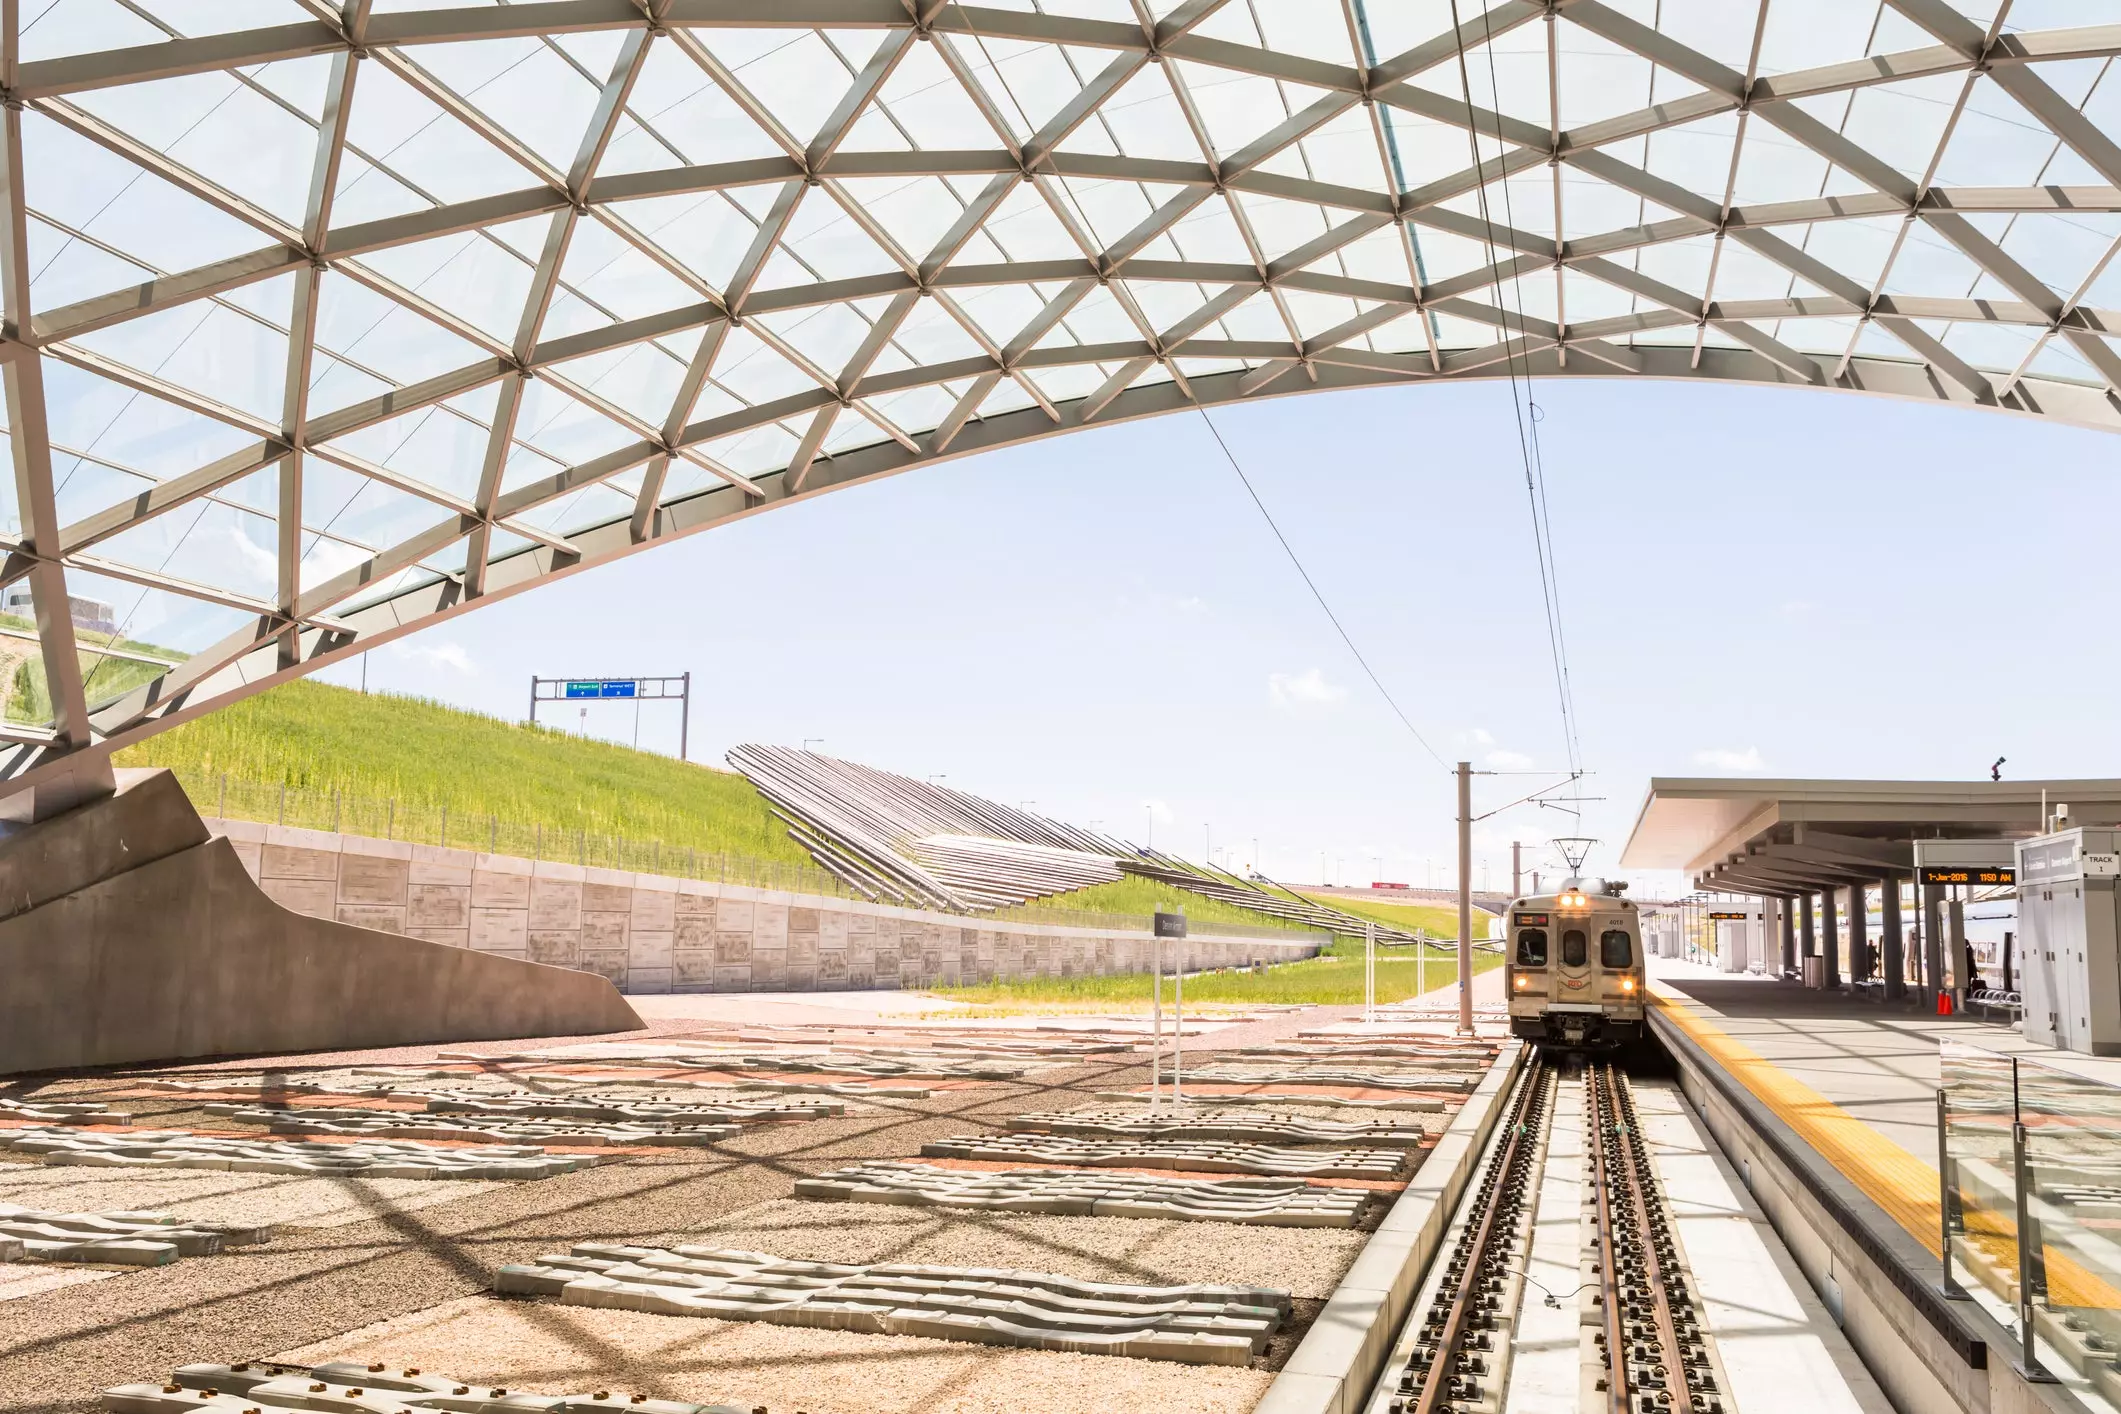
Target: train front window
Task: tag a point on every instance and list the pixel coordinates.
(1575, 948)
(1531, 947)
(1616, 948)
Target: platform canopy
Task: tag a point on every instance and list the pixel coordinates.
(325, 319)
(1785, 838)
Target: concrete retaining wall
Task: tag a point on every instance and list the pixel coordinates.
(651, 933)
(127, 935)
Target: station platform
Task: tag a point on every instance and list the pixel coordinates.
(1855, 1080)
(1827, 1103)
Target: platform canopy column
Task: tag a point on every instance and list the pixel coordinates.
(1894, 944)
(1859, 926)
(1789, 935)
(1932, 942)
(1830, 937)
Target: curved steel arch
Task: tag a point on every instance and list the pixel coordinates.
(1155, 281)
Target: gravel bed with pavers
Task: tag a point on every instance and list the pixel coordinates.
(412, 1278)
(1266, 1202)
(402, 1124)
(372, 1388)
(1192, 1324)
(543, 1346)
(238, 1199)
(1396, 1079)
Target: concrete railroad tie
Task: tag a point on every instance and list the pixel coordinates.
(1202, 1325)
(151, 1148)
(1199, 1156)
(1414, 1104)
(578, 1104)
(63, 1112)
(1263, 1202)
(1327, 1075)
(398, 1124)
(119, 1239)
(368, 1389)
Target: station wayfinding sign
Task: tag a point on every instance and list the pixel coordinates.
(1729, 917)
(604, 687)
(1170, 925)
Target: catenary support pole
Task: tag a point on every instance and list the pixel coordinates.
(1369, 972)
(1465, 898)
(1516, 868)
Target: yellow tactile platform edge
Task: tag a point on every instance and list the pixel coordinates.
(1897, 1181)
(1891, 1177)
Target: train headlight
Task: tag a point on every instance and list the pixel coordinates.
(1627, 984)
(1520, 981)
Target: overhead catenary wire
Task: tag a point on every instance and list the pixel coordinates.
(1312, 585)
(1522, 410)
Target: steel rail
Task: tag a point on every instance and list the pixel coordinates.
(1452, 1351)
(1654, 1350)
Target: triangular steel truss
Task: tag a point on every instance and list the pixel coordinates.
(319, 330)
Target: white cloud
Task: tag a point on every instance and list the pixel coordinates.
(437, 655)
(1158, 811)
(1723, 758)
(1192, 604)
(1481, 736)
(1509, 761)
(1294, 691)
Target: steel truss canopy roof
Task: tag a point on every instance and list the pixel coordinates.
(324, 321)
(1784, 838)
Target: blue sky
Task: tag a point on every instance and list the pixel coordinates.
(1752, 582)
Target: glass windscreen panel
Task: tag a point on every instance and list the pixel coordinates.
(1575, 948)
(1531, 947)
(1616, 948)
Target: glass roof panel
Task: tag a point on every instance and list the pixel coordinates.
(773, 200)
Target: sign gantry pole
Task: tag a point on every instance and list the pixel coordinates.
(1173, 926)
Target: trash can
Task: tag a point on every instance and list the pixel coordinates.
(1815, 972)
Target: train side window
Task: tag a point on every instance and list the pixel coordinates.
(1531, 947)
(1575, 948)
(1615, 948)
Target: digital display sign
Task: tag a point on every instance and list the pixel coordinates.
(1978, 878)
(1731, 917)
(1531, 920)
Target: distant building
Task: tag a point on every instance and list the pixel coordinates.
(91, 614)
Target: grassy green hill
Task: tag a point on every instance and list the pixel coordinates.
(315, 738)
(1138, 897)
(1440, 922)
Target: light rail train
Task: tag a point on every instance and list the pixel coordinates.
(1574, 974)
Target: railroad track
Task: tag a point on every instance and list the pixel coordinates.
(1644, 1351)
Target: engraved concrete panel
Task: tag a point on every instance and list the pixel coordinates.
(288, 862)
(492, 889)
(438, 905)
(603, 931)
(802, 949)
(500, 929)
(644, 981)
(833, 928)
(769, 924)
(447, 937)
(654, 910)
(367, 878)
(730, 949)
(695, 930)
(440, 866)
(316, 897)
(693, 904)
(611, 965)
(735, 915)
(645, 949)
(606, 897)
(691, 967)
(557, 947)
(555, 904)
(372, 915)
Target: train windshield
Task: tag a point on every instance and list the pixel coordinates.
(1531, 947)
(1616, 948)
(1575, 948)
